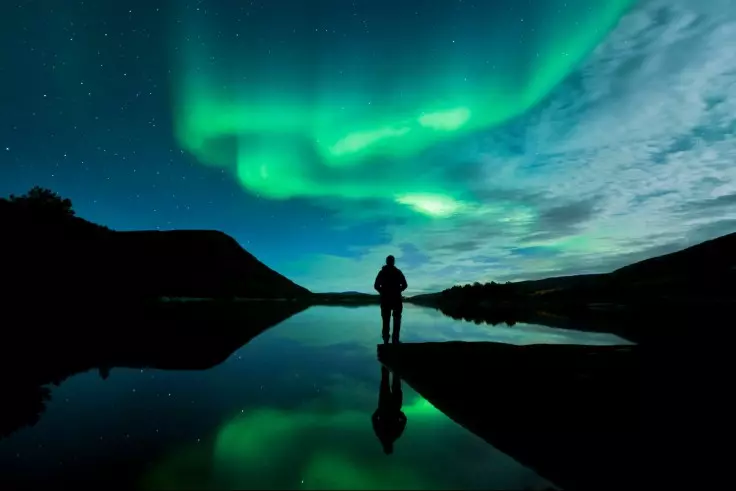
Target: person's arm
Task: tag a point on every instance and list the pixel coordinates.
(377, 284)
(404, 285)
(401, 424)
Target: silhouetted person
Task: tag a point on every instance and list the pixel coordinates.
(389, 420)
(390, 283)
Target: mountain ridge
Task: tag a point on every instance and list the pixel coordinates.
(702, 272)
(52, 253)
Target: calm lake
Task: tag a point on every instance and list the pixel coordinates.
(291, 409)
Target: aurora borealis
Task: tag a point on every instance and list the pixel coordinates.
(474, 140)
(340, 124)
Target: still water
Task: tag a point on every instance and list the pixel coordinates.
(291, 409)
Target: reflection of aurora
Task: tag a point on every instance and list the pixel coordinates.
(305, 449)
(312, 117)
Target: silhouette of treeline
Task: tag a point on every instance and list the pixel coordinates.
(490, 303)
(166, 336)
(47, 251)
(478, 293)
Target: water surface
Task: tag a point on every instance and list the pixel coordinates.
(291, 409)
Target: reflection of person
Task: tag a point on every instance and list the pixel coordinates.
(389, 420)
(390, 283)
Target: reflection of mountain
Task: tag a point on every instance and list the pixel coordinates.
(640, 325)
(345, 299)
(181, 336)
(569, 412)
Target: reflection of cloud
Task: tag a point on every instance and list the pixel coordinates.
(325, 327)
(523, 334)
(632, 155)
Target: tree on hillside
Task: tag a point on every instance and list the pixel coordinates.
(44, 202)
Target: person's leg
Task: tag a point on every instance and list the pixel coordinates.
(397, 311)
(384, 391)
(396, 393)
(386, 318)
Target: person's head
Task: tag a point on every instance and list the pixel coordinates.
(390, 260)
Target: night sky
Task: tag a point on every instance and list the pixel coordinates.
(475, 140)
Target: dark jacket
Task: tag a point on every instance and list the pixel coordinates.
(390, 282)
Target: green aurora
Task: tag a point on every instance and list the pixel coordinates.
(330, 116)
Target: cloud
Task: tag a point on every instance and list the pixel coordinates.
(567, 216)
(712, 229)
(634, 155)
(412, 257)
(709, 207)
(534, 251)
(562, 221)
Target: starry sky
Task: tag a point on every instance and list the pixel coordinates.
(475, 140)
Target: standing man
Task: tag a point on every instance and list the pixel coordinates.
(390, 283)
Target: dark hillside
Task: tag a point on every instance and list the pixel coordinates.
(49, 252)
